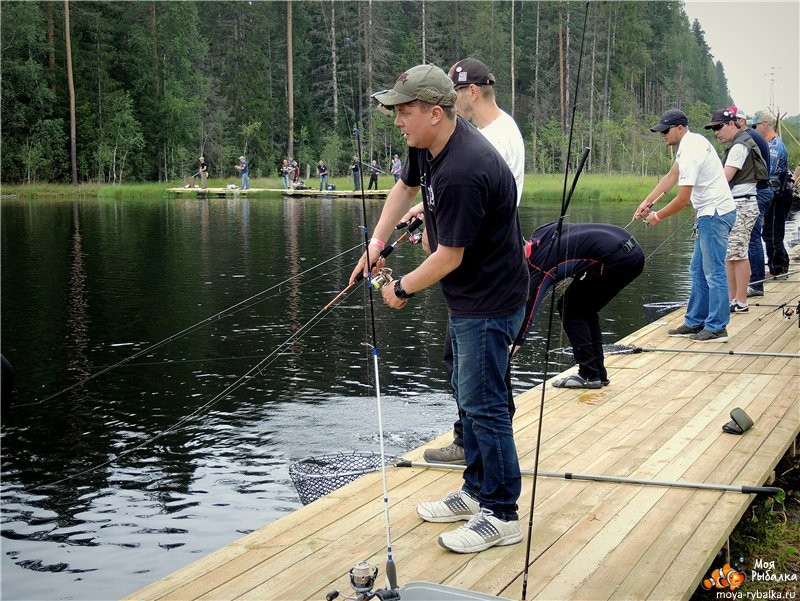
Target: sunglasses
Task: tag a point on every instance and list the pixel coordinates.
(718, 126)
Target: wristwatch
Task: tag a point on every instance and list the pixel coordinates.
(399, 292)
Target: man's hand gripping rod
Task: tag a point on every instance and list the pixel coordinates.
(409, 226)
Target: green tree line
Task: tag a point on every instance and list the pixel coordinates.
(156, 84)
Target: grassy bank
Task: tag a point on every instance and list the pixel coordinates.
(594, 187)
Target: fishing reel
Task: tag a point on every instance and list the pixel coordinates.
(383, 277)
(362, 579)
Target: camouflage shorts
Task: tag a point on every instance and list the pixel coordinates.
(739, 239)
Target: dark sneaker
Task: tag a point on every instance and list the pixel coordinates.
(455, 507)
(576, 381)
(708, 336)
(685, 330)
(737, 307)
(452, 453)
(482, 531)
(751, 292)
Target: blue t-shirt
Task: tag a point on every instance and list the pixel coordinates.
(243, 166)
(470, 201)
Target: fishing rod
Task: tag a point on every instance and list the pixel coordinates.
(391, 572)
(409, 233)
(565, 200)
(232, 310)
(615, 349)
(776, 278)
(649, 205)
(744, 489)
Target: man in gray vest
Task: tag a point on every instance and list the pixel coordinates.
(744, 167)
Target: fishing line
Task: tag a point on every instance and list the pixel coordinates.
(253, 372)
(565, 200)
(232, 310)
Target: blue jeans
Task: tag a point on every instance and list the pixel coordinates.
(709, 305)
(356, 180)
(480, 351)
(755, 252)
(245, 181)
(285, 177)
(323, 182)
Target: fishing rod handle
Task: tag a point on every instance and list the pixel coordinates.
(409, 225)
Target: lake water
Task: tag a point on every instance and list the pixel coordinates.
(123, 479)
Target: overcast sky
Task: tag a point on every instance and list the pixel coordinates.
(758, 43)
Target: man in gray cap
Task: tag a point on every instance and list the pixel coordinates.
(701, 180)
(476, 254)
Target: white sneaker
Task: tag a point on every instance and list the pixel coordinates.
(482, 531)
(455, 507)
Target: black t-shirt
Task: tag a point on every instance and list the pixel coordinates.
(470, 201)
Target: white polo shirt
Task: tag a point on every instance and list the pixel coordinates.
(700, 167)
(505, 136)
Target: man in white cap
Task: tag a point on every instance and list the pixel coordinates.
(476, 254)
(701, 181)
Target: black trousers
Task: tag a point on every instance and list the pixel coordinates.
(774, 231)
(580, 305)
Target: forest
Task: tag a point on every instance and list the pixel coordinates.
(136, 91)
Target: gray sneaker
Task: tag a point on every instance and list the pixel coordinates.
(685, 330)
(751, 292)
(455, 507)
(708, 336)
(452, 453)
(482, 531)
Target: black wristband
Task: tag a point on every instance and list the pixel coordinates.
(399, 292)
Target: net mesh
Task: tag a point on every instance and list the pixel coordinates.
(654, 311)
(315, 477)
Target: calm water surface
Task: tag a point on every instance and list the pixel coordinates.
(118, 482)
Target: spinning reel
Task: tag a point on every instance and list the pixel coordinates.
(383, 277)
(362, 579)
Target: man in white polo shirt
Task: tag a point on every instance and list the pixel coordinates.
(701, 180)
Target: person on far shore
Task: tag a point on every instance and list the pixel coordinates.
(396, 167)
(244, 171)
(701, 180)
(356, 167)
(285, 173)
(203, 170)
(322, 171)
(374, 170)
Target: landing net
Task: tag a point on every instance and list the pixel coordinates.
(314, 477)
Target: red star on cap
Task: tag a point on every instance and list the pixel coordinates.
(403, 78)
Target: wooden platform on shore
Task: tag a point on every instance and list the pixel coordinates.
(216, 191)
(332, 193)
(660, 419)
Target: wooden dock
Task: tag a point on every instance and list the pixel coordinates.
(291, 192)
(217, 191)
(332, 193)
(660, 419)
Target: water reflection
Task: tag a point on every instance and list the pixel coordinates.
(86, 285)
